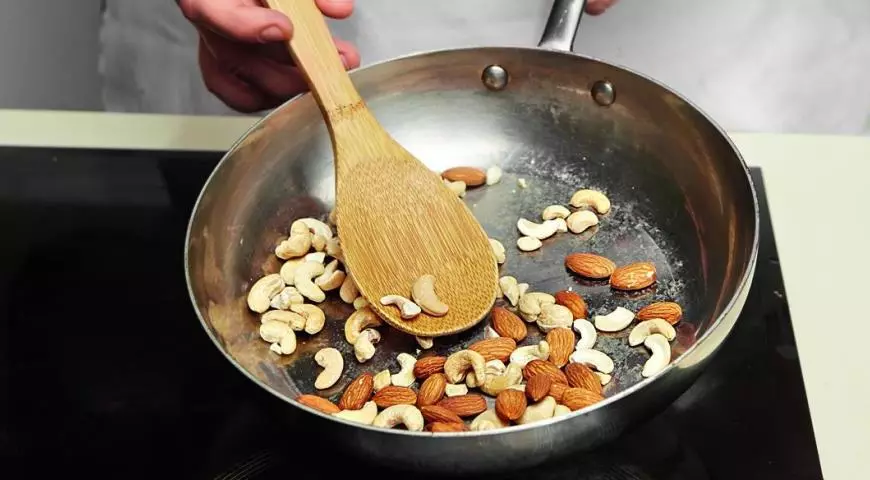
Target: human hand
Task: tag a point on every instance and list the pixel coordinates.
(243, 52)
(597, 7)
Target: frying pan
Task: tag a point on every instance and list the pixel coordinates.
(682, 198)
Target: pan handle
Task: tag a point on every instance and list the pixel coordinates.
(562, 25)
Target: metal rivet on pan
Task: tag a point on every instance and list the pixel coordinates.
(495, 77)
(603, 93)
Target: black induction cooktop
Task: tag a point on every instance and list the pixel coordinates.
(107, 373)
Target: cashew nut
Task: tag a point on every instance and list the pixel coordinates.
(488, 332)
(455, 390)
(348, 291)
(333, 364)
(488, 420)
(594, 359)
(646, 328)
(333, 249)
(293, 247)
(497, 250)
(423, 293)
(407, 415)
(357, 321)
(407, 308)
(561, 225)
(521, 387)
(581, 220)
(360, 302)
(493, 175)
(364, 348)
(294, 320)
(495, 384)
(459, 363)
(332, 217)
(316, 227)
(315, 319)
(366, 415)
(317, 257)
(331, 278)
(537, 230)
(554, 316)
(614, 321)
(299, 228)
(530, 305)
(510, 289)
(288, 296)
(542, 410)
(280, 335)
(302, 280)
(261, 293)
(522, 288)
(288, 270)
(528, 244)
(522, 183)
(661, 354)
(587, 333)
(425, 342)
(555, 211)
(458, 187)
(381, 380)
(524, 355)
(603, 378)
(591, 198)
(318, 243)
(494, 368)
(561, 410)
(405, 377)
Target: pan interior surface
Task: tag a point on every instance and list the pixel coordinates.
(680, 194)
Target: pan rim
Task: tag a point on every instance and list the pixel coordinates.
(742, 286)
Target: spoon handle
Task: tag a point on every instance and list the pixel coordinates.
(317, 58)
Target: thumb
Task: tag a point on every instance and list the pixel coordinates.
(243, 23)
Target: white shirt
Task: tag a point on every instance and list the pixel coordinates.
(774, 66)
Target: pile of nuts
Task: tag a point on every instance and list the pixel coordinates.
(555, 376)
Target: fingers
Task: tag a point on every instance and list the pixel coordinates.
(597, 7)
(238, 20)
(349, 53)
(336, 8)
(237, 94)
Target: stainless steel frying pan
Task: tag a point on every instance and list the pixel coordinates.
(682, 198)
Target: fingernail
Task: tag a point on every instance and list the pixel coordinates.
(272, 34)
(344, 60)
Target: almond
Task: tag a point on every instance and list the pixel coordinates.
(561, 342)
(574, 302)
(537, 387)
(581, 376)
(432, 390)
(668, 311)
(506, 324)
(464, 405)
(577, 398)
(510, 404)
(590, 265)
(393, 395)
(434, 413)
(428, 365)
(542, 367)
(318, 403)
(446, 427)
(498, 348)
(357, 393)
(557, 390)
(634, 276)
(473, 177)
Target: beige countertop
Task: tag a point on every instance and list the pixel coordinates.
(814, 187)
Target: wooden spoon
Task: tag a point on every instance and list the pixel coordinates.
(397, 221)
